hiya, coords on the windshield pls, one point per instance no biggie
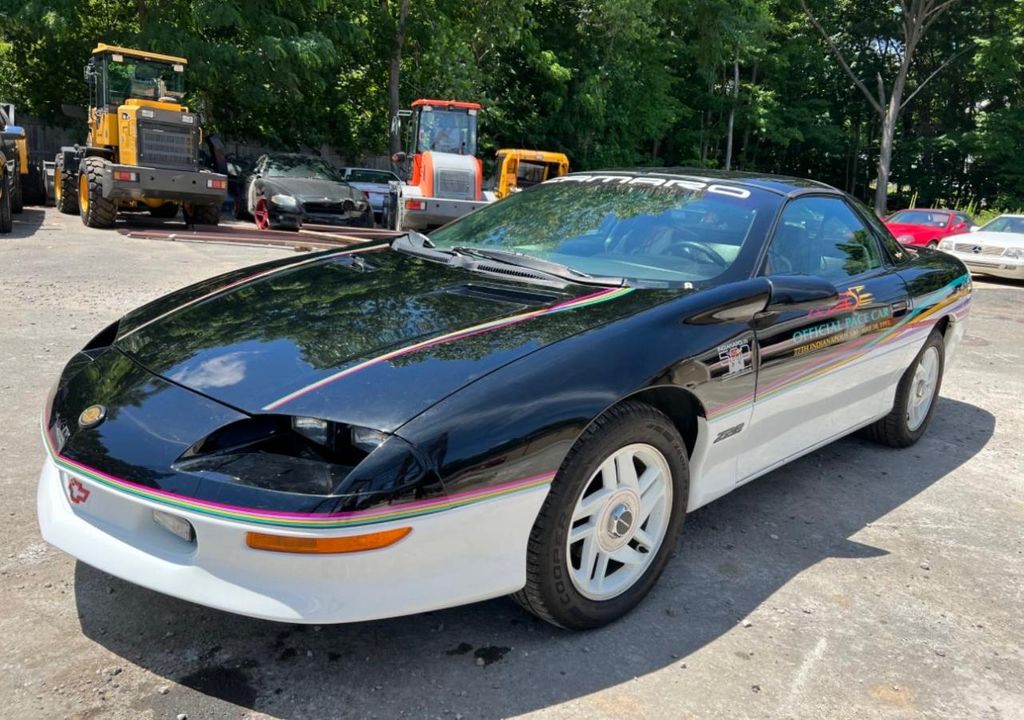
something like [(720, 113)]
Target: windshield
[(143, 79), (285, 166), (447, 131), (371, 176), (920, 217), (645, 229), (1005, 223)]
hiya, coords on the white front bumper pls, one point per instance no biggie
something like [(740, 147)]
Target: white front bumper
[(996, 265), (450, 558)]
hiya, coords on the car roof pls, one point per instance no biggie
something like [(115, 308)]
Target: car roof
[(779, 184)]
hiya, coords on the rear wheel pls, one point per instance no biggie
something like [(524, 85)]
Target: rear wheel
[(915, 398), (65, 188), (6, 224), (201, 214), (95, 210), (610, 521)]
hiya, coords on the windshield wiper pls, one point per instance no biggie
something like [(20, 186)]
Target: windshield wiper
[(545, 266), (418, 244)]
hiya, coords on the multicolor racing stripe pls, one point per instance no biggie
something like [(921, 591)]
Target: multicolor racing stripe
[(330, 521)]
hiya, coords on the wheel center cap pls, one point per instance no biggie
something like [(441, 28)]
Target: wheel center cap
[(620, 521), (617, 524)]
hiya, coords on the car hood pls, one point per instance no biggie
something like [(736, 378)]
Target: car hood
[(1002, 239), (370, 339), (311, 189)]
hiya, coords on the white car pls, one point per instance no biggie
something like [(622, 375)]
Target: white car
[(996, 248)]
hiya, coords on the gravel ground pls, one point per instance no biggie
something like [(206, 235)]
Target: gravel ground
[(858, 582)]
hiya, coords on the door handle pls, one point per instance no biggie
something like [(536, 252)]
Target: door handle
[(900, 308)]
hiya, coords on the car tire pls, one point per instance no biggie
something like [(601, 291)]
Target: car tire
[(65, 188), (201, 214), (95, 210), (933, 244), (6, 222), (916, 396), (557, 588)]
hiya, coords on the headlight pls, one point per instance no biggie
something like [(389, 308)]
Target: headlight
[(946, 245), (1014, 252), (904, 239), (366, 439), (285, 201), (312, 428)]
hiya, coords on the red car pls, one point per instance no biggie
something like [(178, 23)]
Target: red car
[(925, 228)]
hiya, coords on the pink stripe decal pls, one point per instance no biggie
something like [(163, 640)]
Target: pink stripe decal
[(583, 301)]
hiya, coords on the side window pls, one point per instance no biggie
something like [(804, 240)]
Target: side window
[(822, 236), (896, 251)]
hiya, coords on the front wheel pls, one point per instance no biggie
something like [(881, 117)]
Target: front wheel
[(915, 398), (96, 211), (65, 188), (610, 521)]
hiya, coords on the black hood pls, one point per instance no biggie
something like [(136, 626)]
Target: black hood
[(311, 189), (369, 340)]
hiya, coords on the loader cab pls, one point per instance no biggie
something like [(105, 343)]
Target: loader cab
[(446, 126), (116, 75)]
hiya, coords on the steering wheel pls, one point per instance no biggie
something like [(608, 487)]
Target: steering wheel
[(702, 249)]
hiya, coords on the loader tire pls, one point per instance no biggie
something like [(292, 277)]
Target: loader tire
[(96, 211), (202, 214), (17, 198), (6, 224), (65, 189)]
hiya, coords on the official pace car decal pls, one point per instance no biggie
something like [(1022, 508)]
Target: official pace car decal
[(953, 297), (374, 516), (583, 301)]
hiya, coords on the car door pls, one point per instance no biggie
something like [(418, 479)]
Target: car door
[(824, 372), (252, 193)]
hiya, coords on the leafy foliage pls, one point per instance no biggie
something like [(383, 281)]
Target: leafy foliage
[(610, 82)]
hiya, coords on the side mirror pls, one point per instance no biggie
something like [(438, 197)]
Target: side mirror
[(975, 228), (399, 157), (13, 132), (801, 292)]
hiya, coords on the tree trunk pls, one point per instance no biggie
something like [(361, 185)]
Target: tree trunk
[(888, 131), (394, 75), (732, 112)]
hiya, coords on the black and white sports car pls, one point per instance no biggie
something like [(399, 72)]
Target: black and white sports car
[(527, 402), (285, 191)]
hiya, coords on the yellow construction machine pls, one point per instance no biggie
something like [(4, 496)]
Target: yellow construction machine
[(518, 169), (143, 147)]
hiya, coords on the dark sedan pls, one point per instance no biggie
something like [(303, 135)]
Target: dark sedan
[(286, 191), (527, 402)]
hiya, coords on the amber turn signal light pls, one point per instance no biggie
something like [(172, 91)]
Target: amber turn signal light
[(325, 545)]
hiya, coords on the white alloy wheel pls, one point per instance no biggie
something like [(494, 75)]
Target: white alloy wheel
[(619, 521), (922, 389)]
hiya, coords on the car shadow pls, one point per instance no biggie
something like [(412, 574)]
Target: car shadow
[(27, 222), (467, 659)]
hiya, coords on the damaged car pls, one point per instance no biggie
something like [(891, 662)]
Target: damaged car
[(286, 191), (527, 402)]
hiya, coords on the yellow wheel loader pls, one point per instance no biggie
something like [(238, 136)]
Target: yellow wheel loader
[(143, 147)]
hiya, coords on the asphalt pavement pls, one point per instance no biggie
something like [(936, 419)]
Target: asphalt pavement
[(857, 582)]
